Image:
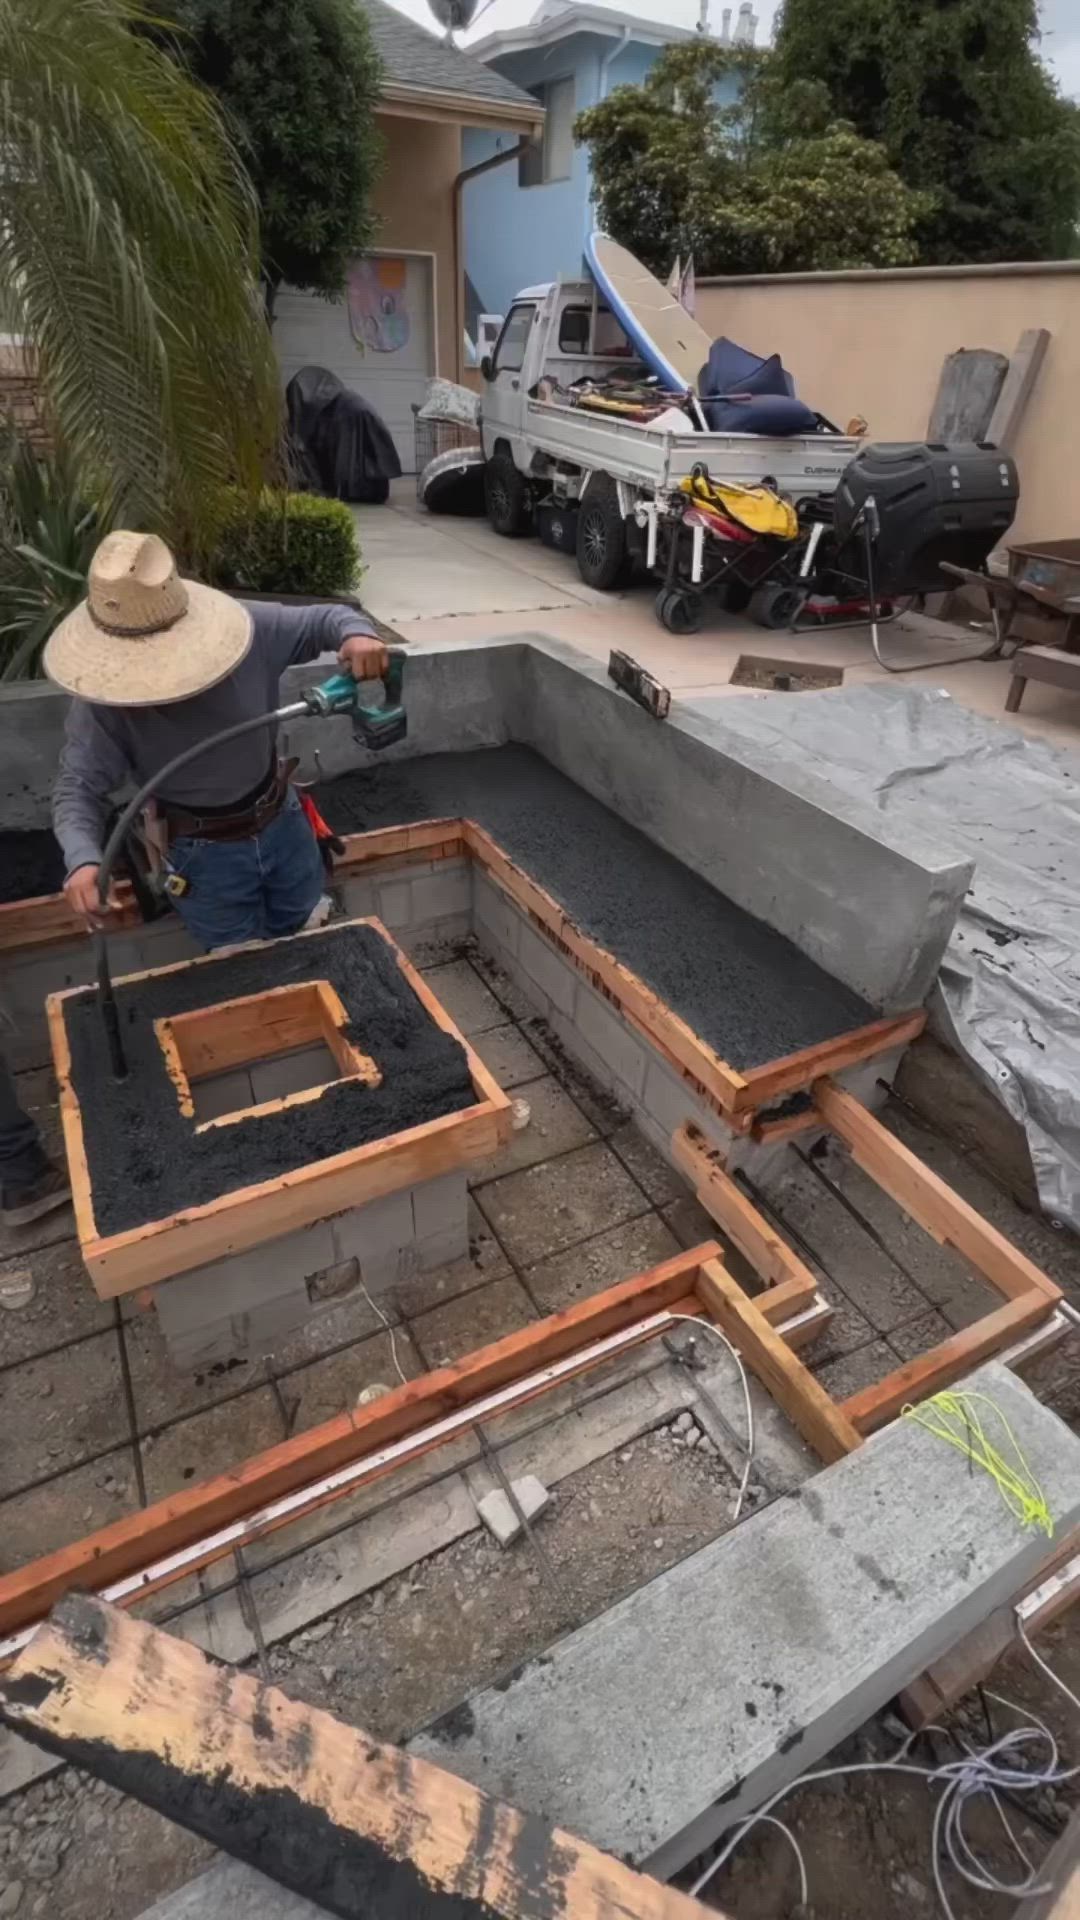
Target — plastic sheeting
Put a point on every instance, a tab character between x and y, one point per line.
1009	989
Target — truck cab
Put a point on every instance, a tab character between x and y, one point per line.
555	334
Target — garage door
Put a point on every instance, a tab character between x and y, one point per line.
379	338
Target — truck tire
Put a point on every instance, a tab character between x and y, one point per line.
506	497
602	550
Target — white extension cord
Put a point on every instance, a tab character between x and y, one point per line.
988	1772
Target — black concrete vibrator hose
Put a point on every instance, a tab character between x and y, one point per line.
106	996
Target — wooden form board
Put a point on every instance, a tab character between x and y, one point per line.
123	1262
1029	1295
142	1539
361	1828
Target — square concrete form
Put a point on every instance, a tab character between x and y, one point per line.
248	1217
755	1656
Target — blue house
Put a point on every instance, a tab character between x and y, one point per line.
527	221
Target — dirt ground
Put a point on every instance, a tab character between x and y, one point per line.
390	1609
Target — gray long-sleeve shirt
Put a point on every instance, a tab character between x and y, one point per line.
106	746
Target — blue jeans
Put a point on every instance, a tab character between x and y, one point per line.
254	889
22	1156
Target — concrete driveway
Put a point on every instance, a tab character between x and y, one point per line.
447	582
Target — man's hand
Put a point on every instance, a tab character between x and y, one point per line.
364	657
81	893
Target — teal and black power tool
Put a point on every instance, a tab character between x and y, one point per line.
374	727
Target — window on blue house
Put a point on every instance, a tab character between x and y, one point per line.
552	156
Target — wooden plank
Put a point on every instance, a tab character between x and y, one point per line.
257	1026
823	1425
139	1539
927	1198
123	1262
46	920
607	973
361	1828
931	1372
797	1070
1024	367
790	1280
429	839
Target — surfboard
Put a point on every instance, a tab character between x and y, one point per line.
668	338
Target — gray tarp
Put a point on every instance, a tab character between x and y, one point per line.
1009	990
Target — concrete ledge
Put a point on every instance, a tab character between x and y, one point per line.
656	1726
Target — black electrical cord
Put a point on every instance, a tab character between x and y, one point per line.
106	997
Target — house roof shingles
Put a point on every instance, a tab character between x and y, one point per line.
414	58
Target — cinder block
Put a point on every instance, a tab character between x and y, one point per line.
439	1249
668	1099
442	892
439	1205
395	903
243	1281
381	1272
224	1093
494	914
609	1036
360	897
436	942
379	1228
553	975
240	1334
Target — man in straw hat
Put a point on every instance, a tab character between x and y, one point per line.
156	664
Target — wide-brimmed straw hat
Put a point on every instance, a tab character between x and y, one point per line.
143	637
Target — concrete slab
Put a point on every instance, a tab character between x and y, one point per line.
231	1891
654	1727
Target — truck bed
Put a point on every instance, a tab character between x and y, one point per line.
627	450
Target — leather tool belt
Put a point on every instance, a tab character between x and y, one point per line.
243	823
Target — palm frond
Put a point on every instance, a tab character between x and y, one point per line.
128	261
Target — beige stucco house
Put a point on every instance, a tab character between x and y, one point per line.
401	317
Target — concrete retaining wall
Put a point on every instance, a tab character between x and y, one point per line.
874	909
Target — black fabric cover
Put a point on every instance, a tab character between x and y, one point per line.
340	445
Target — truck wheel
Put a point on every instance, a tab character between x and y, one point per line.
602	556
506	497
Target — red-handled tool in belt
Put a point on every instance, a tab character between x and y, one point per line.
330	845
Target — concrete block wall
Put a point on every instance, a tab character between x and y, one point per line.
426	905
247	1302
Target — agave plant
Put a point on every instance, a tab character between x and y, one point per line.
47	539
128	263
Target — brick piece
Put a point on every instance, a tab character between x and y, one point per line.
499	1515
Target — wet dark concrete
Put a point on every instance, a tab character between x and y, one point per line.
745	990
146	1160
31	863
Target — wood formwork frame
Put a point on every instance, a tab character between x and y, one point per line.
141	1256
1030	1297
735	1095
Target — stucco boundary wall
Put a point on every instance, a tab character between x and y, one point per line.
876	909
873	343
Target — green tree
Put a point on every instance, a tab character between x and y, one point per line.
705	158
127	262
300	80
957	94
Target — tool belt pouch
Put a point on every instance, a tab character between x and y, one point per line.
244	824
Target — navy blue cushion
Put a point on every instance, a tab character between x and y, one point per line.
731	369
775	413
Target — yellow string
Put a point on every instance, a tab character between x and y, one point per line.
956	1418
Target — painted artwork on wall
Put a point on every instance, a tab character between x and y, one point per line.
377	292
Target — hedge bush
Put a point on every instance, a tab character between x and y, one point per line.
288	543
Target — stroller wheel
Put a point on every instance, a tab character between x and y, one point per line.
777	606
679	612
